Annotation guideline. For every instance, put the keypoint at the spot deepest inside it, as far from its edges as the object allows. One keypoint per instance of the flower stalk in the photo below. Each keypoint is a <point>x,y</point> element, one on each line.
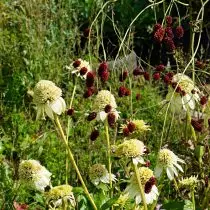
<point>71,157</point>
<point>140,186</point>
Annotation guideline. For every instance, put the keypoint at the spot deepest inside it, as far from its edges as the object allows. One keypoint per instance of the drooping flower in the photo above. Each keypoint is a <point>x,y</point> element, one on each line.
<point>104,98</point>
<point>99,174</point>
<point>168,161</point>
<point>47,97</point>
<point>169,20</point>
<point>59,195</point>
<point>132,148</point>
<point>184,101</point>
<point>190,182</point>
<point>147,180</point>
<point>179,32</point>
<point>34,175</point>
<point>79,67</point>
<point>169,43</point>
<point>159,34</point>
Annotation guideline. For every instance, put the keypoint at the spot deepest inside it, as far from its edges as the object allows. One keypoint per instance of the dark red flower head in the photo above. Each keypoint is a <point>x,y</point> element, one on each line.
<point>90,79</point>
<point>203,100</point>
<point>179,32</point>
<point>131,127</point>
<point>103,67</point>
<point>157,26</point>
<point>104,76</point>
<point>89,92</point>
<point>147,163</point>
<point>123,76</point>
<point>76,63</point>
<point>111,119</point>
<point>148,187</point>
<point>169,20</point>
<point>159,34</point>
<point>91,116</point>
<point>83,71</point>
<point>156,76</point>
<point>137,71</point>
<point>146,76</point>
<point>108,108</point>
<point>86,32</point>
<point>196,125</point>
<point>122,91</point>
<point>126,131</point>
<point>94,135</point>
<point>127,92</point>
<point>169,43</point>
<point>169,32</point>
<point>160,67</point>
<point>70,112</point>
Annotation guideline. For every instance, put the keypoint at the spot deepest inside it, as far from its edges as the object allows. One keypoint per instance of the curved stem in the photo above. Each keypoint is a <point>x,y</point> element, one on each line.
<point>71,157</point>
<point>140,186</point>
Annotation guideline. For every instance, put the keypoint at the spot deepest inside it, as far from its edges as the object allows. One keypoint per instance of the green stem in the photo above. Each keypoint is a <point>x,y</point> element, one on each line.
<point>71,157</point>
<point>108,152</point>
<point>140,186</point>
<point>193,198</point>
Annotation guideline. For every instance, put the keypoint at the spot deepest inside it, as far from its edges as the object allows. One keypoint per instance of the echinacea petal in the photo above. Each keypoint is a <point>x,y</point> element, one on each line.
<point>170,173</point>
<point>158,171</point>
<point>49,111</point>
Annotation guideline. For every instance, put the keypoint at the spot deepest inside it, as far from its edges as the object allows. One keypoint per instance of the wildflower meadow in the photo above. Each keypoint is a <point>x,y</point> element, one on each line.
<point>104,104</point>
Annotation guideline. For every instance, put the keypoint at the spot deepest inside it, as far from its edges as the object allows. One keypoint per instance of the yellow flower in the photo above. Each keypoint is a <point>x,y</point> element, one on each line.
<point>33,174</point>
<point>47,97</point>
<point>141,126</point>
<point>190,182</point>
<point>132,148</point>
<point>169,161</point>
<point>59,194</point>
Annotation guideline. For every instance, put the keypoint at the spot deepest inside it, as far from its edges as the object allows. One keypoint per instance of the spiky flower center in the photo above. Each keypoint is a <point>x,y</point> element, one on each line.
<point>97,171</point>
<point>130,148</point>
<point>104,98</point>
<point>59,192</point>
<point>141,126</point>
<point>166,157</point>
<point>144,174</point>
<point>189,182</point>
<point>46,91</point>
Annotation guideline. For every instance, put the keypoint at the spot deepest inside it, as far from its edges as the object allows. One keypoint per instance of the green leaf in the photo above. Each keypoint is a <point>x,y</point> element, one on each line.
<point>109,203</point>
<point>174,205</point>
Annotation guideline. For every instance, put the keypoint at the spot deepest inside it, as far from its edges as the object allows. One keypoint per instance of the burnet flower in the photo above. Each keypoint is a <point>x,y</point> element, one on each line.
<point>132,148</point>
<point>148,182</point>
<point>104,105</point>
<point>34,175</point>
<point>99,174</point>
<point>47,97</point>
<point>59,195</point>
<point>186,94</point>
<point>80,68</point>
<point>169,161</point>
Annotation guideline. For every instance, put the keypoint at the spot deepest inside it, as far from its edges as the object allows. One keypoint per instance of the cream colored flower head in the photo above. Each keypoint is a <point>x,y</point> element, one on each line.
<point>169,161</point>
<point>33,174</point>
<point>59,194</point>
<point>148,182</point>
<point>141,126</point>
<point>190,182</point>
<point>99,174</point>
<point>80,68</point>
<point>122,200</point>
<point>132,148</point>
<point>47,97</point>
<point>189,98</point>
<point>103,99</point>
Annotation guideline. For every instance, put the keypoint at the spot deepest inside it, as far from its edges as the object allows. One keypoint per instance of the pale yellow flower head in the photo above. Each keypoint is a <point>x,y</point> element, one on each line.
<point>47,97</point>
<point>141,126</point>
<point>59,194</point>
<point>34,175</point>
<point>190,182</point>
<point>98,173</point>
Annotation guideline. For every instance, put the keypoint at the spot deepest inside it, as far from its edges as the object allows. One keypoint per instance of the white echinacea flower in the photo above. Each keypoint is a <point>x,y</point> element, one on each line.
<point>187,96</point>
<point>99,174</point>
<point>47,98</point>
<point>132,148</point>
<point>169,161</point>
<point>59,195</point>
<point>104,104</point>
<point>148,182</point>
<point>34,175</point>
<point>80,68</point>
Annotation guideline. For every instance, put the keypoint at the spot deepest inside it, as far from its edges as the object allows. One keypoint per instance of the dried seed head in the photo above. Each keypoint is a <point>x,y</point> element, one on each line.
<point>70,112</point>
<point>111,119</point>
<point>91,116</point>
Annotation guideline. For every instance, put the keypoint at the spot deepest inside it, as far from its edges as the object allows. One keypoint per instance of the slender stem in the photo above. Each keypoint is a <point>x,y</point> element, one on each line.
<point>108,152</point>
<point>71,157</point>
<point>193,198</point>
<point>131,102</point>
<point>140,186</point>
